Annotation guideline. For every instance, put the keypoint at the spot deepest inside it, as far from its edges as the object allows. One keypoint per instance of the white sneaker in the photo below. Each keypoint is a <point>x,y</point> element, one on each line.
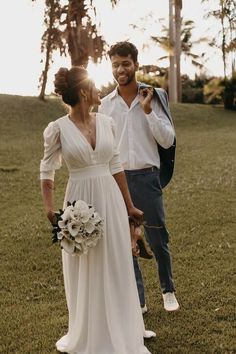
<point>149,334</point>
<point>144,309</point>
<point>170,302</point>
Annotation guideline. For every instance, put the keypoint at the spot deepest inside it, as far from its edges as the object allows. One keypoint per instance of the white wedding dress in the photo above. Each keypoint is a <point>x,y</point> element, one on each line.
<point>101,293</point>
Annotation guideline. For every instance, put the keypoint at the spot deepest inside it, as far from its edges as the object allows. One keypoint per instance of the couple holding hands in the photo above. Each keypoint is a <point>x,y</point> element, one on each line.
<point>118,159</point>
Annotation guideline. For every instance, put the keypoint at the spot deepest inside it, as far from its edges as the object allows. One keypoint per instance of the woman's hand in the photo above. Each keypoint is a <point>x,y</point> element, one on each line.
<point>51,216</point>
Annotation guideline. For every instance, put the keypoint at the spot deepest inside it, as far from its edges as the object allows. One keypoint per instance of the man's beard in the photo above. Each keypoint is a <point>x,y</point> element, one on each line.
<point>130,79</point>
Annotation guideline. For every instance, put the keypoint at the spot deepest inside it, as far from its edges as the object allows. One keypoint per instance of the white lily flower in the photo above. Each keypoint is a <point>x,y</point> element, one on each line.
<point>66,214</point>
<point>95,218</point>
<point>84,210</point>
<point>85,216</point>
<point>89,227</point>
<point>75,214</point>
<point>60,235</point>
<point>91,242</point>
<point>62,223</point>
<point>97,234</point>
<point>81,205</point>
<point>91,211</point>
<point>79,248</point>
<point>68,245</point>
<point>63,234</point>
<point>79,239</point>
<point>74,228</point>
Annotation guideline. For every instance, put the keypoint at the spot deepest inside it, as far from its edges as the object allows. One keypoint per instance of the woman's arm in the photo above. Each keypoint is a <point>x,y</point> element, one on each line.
<point>134,213</point>
<point>47,190</point>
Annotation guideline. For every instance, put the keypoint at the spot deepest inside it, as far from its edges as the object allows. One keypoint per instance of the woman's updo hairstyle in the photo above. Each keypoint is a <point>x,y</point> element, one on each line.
<point>68,82</point>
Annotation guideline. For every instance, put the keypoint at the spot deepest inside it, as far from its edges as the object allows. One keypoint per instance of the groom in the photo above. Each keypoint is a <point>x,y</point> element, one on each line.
<point>146,139</point>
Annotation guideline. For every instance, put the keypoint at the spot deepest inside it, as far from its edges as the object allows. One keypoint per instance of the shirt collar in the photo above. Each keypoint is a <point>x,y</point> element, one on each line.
<point>114,93</point>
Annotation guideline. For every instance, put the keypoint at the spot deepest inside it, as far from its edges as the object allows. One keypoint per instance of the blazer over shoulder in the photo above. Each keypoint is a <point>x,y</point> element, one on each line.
<point>167,156</point>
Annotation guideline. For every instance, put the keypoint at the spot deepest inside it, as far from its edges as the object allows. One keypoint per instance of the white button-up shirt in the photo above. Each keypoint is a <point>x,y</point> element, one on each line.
<point>137,133</point>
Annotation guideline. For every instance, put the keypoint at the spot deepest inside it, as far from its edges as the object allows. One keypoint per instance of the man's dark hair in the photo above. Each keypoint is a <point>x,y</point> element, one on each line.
<point>124,49</point>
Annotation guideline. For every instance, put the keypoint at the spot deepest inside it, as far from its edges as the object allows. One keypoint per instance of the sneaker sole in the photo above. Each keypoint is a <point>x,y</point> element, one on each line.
<point>168,310</point>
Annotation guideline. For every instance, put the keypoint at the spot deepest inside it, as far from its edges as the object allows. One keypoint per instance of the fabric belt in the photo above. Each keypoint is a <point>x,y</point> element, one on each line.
<point>142,171</point>
<point>90,171</point>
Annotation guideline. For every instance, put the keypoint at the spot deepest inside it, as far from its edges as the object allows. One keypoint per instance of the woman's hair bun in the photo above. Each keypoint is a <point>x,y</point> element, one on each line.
<point>61,81</point>
<point>68,82</point>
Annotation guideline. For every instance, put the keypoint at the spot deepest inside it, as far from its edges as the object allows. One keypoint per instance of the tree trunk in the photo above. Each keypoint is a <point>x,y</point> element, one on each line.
<point>77,47</point>
<point>172,67</point>
<point>44,76</point>
<point>78,40</point>
<point>223,45</point>
<point>178,20</point>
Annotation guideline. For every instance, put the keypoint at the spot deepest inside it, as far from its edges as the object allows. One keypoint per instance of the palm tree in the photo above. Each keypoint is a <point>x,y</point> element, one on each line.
<point>81,34</point>
<point>186,47</point>
<point>226,14</point>
<point>51,39</point>
<point>178,20</point>
<point>70,28</point>
<point>172,55</point>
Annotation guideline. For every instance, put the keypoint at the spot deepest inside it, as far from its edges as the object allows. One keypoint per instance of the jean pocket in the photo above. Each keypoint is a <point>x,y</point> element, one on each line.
<point>155,183</point>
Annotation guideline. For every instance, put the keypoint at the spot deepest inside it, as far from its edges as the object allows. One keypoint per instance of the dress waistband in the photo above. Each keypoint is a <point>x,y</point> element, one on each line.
<point>90,171</point>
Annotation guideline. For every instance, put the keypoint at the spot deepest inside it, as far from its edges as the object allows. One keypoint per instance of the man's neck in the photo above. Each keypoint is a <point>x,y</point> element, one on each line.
<point>128,92</point>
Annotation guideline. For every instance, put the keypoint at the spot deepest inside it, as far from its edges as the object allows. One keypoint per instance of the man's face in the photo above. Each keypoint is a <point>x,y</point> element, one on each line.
<point>123,69</point>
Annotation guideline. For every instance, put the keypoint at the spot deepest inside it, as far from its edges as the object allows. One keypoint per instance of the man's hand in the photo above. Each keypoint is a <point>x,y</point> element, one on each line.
<point>136,215</point>
<point>145,98</point>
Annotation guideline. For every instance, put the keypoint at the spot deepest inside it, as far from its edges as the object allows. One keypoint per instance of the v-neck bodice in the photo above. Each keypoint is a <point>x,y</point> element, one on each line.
<point>64,139</point>
<point>83,136</point>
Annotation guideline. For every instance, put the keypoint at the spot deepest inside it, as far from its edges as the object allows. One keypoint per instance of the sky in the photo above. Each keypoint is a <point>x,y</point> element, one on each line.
<point>21,59</point>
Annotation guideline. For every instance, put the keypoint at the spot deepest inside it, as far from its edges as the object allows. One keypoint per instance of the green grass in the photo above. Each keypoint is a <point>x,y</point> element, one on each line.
<point>200,207</point>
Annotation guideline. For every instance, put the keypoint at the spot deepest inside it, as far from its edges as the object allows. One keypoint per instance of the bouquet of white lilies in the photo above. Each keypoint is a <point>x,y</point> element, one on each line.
<point>78,227</point>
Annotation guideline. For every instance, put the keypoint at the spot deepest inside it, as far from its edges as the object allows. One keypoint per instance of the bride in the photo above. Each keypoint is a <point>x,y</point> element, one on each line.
<point>101,293</point>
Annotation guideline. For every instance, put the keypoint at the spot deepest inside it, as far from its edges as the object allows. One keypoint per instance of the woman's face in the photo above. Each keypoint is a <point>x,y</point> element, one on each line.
<point>93,95</point>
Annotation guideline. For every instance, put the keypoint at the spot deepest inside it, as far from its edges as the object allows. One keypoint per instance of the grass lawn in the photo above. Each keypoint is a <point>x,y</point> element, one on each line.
<point>200,206</point>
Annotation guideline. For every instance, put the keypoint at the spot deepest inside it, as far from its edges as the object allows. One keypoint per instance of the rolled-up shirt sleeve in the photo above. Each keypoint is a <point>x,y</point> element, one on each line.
<point>115,164</point>
<point>52,152</point>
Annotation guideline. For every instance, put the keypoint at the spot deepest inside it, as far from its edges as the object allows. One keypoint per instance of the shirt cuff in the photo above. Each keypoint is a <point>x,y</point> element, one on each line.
<point>116,167</point>
<point>47,175</point>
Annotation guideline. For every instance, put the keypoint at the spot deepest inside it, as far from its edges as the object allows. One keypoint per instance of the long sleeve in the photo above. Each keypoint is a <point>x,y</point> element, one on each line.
<point>115,164</point>
<point>160,125</point>
<point>52,152</point>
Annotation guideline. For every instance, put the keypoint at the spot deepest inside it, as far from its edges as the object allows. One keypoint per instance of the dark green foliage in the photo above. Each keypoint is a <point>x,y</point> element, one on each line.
<point>105,90</point>
<point>192,90</point>
<point>55,227</point>
<point>229,94</point>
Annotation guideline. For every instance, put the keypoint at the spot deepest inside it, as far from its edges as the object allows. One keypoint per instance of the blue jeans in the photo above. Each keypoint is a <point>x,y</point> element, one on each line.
<point>146,193</point>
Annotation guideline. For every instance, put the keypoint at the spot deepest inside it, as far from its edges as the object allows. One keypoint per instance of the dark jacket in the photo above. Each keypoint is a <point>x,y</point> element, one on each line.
<point>167,156</point>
